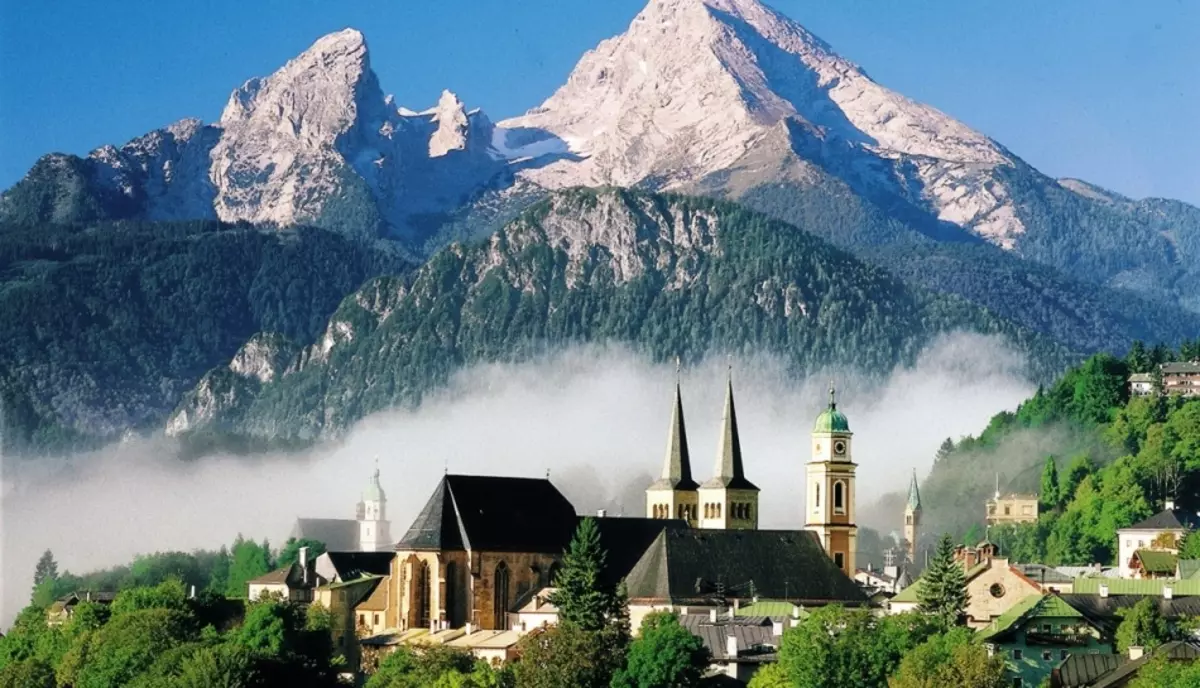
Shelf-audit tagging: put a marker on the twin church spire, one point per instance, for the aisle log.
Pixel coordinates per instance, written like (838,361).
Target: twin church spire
(727,500)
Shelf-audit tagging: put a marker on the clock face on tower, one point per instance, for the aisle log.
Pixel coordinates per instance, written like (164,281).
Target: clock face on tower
(839,448)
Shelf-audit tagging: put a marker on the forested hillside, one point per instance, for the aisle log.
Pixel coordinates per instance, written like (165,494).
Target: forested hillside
(669,275)
(1099,460)
(105,325)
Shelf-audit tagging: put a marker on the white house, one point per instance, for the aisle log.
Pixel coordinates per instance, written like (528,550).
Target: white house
(1143,535)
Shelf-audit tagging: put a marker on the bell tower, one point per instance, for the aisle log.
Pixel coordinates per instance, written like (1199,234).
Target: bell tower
(728,500)
(373,526)
(674,494)
(829,498)
(912,519)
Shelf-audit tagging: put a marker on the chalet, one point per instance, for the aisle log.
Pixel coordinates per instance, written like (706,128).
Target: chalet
(1040,633)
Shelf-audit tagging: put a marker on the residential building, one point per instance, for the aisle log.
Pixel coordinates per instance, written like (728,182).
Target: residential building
(738,644)
(1181,377)
(1048,578)
(337,567)
(294,582)
(1039,633)
(1083,670)
(993,585)
(1141,384)
(533,610)
(1161,532)
(1153,563)
(1013,508)
(1126,672)
(62,609)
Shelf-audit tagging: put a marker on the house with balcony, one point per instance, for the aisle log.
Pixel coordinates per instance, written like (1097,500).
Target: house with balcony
(1039,634)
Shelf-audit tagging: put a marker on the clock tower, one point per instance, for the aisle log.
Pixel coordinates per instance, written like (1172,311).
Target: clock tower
(829,499)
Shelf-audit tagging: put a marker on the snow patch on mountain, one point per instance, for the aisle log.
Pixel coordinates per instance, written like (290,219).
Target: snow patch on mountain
(694,85)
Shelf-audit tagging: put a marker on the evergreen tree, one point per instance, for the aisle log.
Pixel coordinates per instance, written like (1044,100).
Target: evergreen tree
(1050,492)
(1080,468)
(249,561)
(1138,358)
(581,600)
(946,449)
(47,569)
(943,587)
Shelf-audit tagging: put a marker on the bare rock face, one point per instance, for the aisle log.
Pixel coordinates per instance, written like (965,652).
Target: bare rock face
(695,85)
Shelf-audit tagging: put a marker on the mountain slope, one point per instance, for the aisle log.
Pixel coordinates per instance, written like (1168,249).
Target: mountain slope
(669,275)
(105,326)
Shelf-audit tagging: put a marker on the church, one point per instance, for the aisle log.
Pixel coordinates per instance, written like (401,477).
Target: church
(483,546)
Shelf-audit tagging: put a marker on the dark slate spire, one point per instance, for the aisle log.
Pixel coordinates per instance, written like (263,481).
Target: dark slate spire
(914,495)
(729,471)
(677,466)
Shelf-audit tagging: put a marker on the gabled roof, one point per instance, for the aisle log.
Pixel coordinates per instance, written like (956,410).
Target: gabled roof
(1050,605)
(729,472)
(338,534)
(625,540)
(1156,561)
(351,565)
(1082,670)
(692,566)
(909,593)
(756,639)
(1181,367)
(1167,519)
(291,575)
(488,513)
(1189,569)
(677,466)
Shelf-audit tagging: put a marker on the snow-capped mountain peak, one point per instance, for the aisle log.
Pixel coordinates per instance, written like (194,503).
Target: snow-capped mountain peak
(694,85)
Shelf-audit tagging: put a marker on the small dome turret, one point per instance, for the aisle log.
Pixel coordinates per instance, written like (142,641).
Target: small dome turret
(374,492)
(831,419)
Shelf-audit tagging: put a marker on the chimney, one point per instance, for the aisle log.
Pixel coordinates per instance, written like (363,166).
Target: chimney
(469,628)
(712,615)
(795,611)
(1136,651)
(731,646)
(776,628)
(731,610)
(1168,593)
(1170,505)
(304,564)
(1103,590)
(601,513)
(192,594)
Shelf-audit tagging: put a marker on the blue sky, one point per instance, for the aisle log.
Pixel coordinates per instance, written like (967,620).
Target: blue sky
(1105,90)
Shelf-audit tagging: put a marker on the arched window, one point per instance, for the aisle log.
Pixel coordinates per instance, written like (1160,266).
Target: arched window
(839,497)
(816,495)
(423,594)
(500,600)
(719,510)
(749,512)
(908,519)
(452,616)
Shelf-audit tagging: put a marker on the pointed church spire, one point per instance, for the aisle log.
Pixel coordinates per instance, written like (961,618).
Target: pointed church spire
(677,465)
(914,495)
(729,471)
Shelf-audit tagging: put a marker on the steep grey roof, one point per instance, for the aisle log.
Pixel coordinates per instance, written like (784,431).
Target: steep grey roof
(729,472)
(487,513)
(338,534)
(677,466)
(1168,519)
(625,540)
(351,565)
(692,566)
(1042,574)
(1079,670)
(756,639)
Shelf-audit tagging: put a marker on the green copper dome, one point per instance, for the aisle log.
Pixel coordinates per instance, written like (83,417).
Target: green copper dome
(831,419)
(374,492)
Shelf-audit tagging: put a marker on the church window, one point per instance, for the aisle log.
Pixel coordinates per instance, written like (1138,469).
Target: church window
(376,619)
(719,510)
(839,497)
(749,512)
(817,495)
(908,519)
(423,595)
(452,615)
(500,600)
(839,559)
